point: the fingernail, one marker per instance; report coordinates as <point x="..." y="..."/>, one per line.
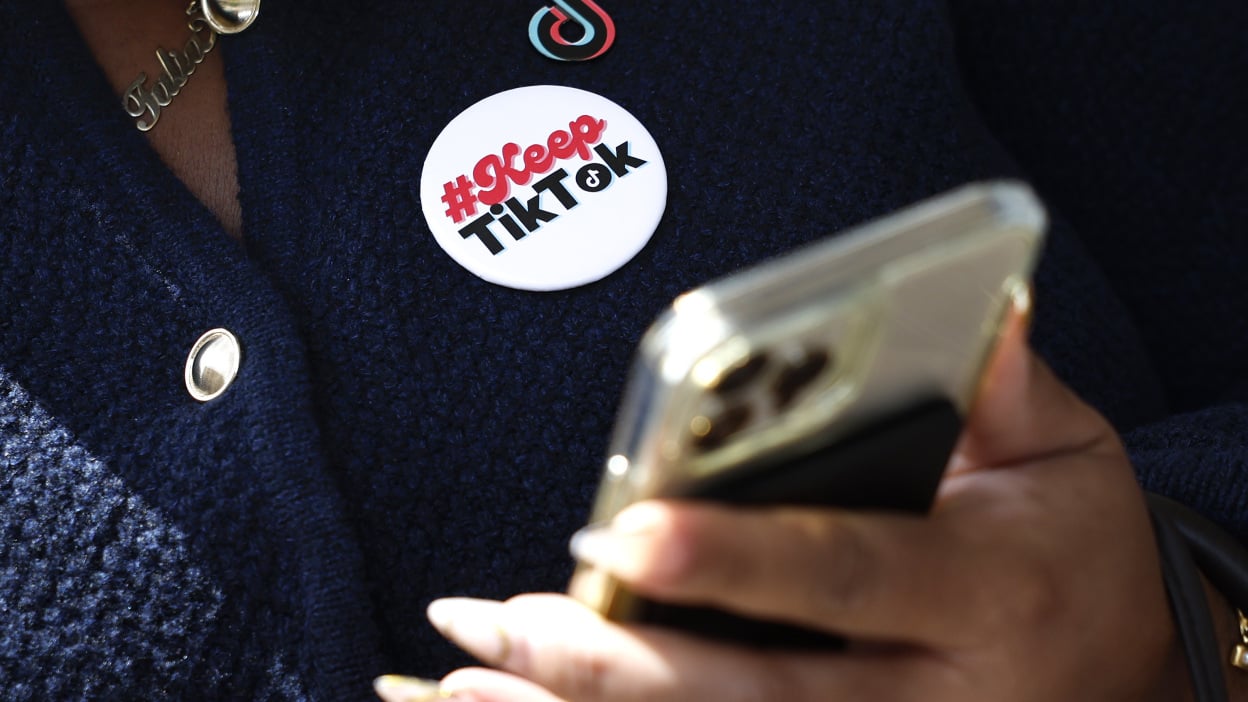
<point x="614" y="545"/>
<point x="474" y="625"/>
<point x="400" y="688"/>
<point x="1021" y="299"/>
<point x="640" y="518"/>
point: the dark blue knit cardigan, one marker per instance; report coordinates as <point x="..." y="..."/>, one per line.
<point x="402" y="430"/>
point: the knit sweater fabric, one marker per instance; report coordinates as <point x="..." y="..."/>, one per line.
<point x="401" y="430"/>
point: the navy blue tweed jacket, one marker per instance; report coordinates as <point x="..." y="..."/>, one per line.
<point x="402" y="430"/>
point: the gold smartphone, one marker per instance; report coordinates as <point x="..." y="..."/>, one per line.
<point x="837" y="374"/>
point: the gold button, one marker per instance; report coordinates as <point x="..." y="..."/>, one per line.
<point x="230" y="16"/>
<point x="212" y="364"/>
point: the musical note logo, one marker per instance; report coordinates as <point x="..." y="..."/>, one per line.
<point x="550" y="27"/>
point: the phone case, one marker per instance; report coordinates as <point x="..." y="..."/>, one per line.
<point x="836" y="375"/>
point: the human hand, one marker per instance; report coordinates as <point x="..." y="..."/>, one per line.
<point x="1035" y="577"/>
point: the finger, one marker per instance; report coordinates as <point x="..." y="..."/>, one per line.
<point x="466" y="685"/>
<point x="576" y="655"/>
<point x="868" y="575"/>
<point x="401" y="688"/>
<point x="1022" y="412"/>
<point x="551" y="640"/>
<point x="485" y="685"/>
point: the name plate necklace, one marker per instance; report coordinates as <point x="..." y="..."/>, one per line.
<point x="206" y="20"/>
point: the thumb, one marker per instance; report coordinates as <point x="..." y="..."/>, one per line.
<point x="1022" y="411"/>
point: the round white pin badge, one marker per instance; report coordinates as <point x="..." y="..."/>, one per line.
<point x="543" y="188"/>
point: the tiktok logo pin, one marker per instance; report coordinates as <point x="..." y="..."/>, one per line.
<point x="547" y="29"/>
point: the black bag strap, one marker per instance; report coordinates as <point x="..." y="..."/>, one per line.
<point x="1189" y="544"/>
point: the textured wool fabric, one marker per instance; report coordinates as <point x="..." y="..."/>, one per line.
<point x="401" y="430"/>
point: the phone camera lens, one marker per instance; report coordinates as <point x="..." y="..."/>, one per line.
<point x="741" y="373"/>
<point x="712" y="432"/>
<point x="798" y="372"/>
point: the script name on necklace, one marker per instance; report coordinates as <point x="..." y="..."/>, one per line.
<point x="144" y="103"/>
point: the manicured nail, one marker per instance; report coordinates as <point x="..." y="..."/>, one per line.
<point x="1021" y="299"/>
<point x="474" y="625"/>
<point x="596" y="545"/>
<point x="400" y="688"/>
<point x="613" y="546"/>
